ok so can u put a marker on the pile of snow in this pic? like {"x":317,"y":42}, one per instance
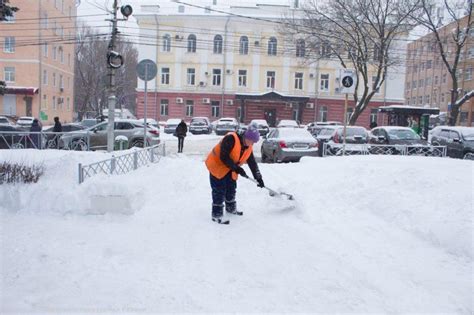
{"x":364,"y":234}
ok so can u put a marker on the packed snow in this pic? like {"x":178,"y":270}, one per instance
{"x":365,"y":234}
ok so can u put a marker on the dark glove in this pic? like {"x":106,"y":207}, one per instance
{"x":240,"y":171}
{"x":260,"y":182}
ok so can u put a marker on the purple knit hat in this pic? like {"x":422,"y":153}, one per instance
{"x":252,"y":134}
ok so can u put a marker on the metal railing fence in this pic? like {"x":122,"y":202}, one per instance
{"x":44,"y":140}
{"x":124,"y":163}
{"x":337,"y":149}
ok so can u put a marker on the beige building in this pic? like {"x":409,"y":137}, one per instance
{"x":218,"y":65}
{"x":428,"y":83}
{"x":37,"y":60}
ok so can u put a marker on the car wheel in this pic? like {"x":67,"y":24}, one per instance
{"x":17,"y":146}
{"x":79,"y":145}
{"x":468,"y":156}
{"x":137,"y":143}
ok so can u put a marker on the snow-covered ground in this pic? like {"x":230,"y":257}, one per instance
{"x":366,"y":234}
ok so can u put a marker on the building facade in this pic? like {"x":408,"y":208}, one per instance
{"x":238,"y":65}
{"x":428,"y":82}
{"x":37,"y":60}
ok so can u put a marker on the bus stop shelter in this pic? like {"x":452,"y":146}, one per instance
{"x":408,"y":116}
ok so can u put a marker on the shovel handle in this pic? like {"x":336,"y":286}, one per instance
{"x":272,"y":192}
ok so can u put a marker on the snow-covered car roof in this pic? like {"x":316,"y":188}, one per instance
{"x":294,"y":134}
{"x":288,"y":122}
{"x":173,"y":121}
{"x":259,"y":122}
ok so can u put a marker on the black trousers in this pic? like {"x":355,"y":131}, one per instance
{"x":223,"y":191}
{"x":180,"y":144}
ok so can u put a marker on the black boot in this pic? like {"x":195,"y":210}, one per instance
{"x":220,"y":220}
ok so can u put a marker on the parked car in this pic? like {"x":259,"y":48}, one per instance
{"x":316,"y":126}
{"x":16,"y":137}
{"x":5,"y":121}
{"x":262,"y":126}
{"x":243,"y":127}
{"x":354,"y":135}
{"x":393,"y":135}
{"x":171,"y":124}
{"x":459,"y":141}
{"x":323,"y":136}
{"x":150,"y":121}
{"x":25,"y":122}
{"x":288,"y":144}
{"x":200,"y":125}
{"x":287,"y":123}
{"x":52,"y":139}
{"x":225,"y":125}
{"x":95,"y":137}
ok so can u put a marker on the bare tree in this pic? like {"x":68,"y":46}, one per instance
{"x":450,"y":43}
{"x":91,"y":73}
{"x":359,"y":34}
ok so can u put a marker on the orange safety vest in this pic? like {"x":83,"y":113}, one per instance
{"x":215,"y":165}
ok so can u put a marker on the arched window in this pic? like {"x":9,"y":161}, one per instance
{"x":167,"y":42}
{"x":300,"y":48}
{"x":272,"y":46}
{"x":218,"y":44}
{"x":61,"y":54}
{"x":244,"y":45}
{"x":192,"y":43}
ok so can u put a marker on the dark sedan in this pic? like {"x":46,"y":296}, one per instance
{"x":393,"y":139}
{"x":459,"y":141}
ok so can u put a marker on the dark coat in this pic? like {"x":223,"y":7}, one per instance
{"x":35,"y":138}
{"x":57,"y":127}
{"x":181,"y":129}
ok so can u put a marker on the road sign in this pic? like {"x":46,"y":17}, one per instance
{"x":146,"y":69}
{"x":348,"y":81}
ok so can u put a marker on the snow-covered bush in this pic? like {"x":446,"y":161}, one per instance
{"x":19,"y":173}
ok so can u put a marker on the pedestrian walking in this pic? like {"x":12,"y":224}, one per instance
{"x":36,"y":138}
{"x":57,"y":125}
{"x":181,"y":131}
{"x":224,"y":163}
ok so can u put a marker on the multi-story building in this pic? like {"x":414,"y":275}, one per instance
{"x":428,"y":82}
{"x":218,"y":65}
{"x":37,"y":60}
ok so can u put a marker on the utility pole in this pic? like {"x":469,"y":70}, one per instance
{"x":111,"y":74}
{"x":114,"y":61}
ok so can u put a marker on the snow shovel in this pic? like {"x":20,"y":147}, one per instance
{"x":273,"y":192}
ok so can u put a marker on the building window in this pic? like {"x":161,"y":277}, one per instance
{"x":189,"y":108}
{"x":296,"y":4}
{"x":9,"y":74}
{"x":44,"y":103}
{"x":323,"y":113}
{"x":45,"y":77}
{"x":55,"y":53}
{"x":215,"y":108}
{"x":45,"y":49}
{"x":167,"y":43}
{"x":325,"y":50}
{"x":444,"y":78}
{"x":54,"y":79}
{"x":192,"y":43}
{"x":244,"y":45}
{"x":67,"y":103}
{"x":68,"y":59}
{"x":272,"y":46}
{"x":9,"y":46}
{"x":218,"y":44}
{"x":242,"y":77}
{"x":10,"y":19}
{"x":373,"y":115}
{"x":191,"y":76}
{"x":420,"y":100}
{"x":164,"y":107}
{"x":300,"y":48}
{"x":181,"y":9}
{"x":463,"y":117}
{"x":428,"y":64}
{"x":468,"y":74}
{"x":54,"y":103}
{"x":442,"y":98}
{"x":324,"y":82}
{"x":427,"y":99}
{"x":165,"y":75}
{"x":61,"y":83}
{"x":349,"y":112}
{"x":216,"y":77}
{"x":271,"y":79}
{"x":299,"y":80}
{"x":61,"y":54}
{"x":413,"y":84}
{"x":420,"y":83}
{"x":436,"y":81}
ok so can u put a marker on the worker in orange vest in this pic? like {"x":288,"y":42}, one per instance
{"x":224,"y":165}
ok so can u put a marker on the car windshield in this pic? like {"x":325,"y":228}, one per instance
{"x":225,"y":121}
{"x":468,"y":135}
{"x":3,"y":120}
{"x":402,"y":134}
{"x":199,"y":122}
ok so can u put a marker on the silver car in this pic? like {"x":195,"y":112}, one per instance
{"x":95,"y":137}
{"x":288,"y":144}
{"x":225,"y":125}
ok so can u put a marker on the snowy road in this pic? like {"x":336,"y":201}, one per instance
{"x":365,"y":235}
